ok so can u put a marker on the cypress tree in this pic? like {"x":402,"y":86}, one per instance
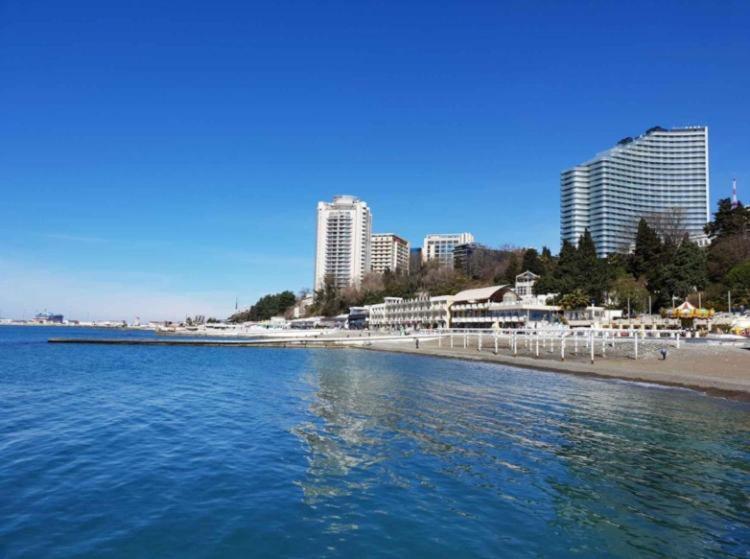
{"x":566,"y":272}
{"x":728,"y":220}
{"x":512,"y":270}
{"x":532,"y":262}
{"x":647,"y":251}
{"x":686,"y":271}
{"x":587,"y":258}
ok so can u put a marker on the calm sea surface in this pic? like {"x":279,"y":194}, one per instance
{"x":126,"y":451}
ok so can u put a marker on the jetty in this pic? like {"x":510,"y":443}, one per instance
{"x":303,"y":341}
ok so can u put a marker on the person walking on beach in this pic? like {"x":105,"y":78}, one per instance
{"x":663,"y":352}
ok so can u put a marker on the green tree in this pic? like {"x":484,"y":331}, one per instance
{"x":442,"y":280}
{"x":546,"y":284}
{"x":328,"y":300}
{"x":586,"y":250}
{"x":567,"y":270}
{"x":512,"y":270}
{"x":729,"y":221}
{"x":725,"y":253}
{"x":686,"y":271}
{"x":626,"y":290}
{"x":532,"y":262}
{"x":591,"y":273}
{"x":730,"y":245}
{"x":576,"y":299}
{"x":648,"y":250}
{"x":549,"y":262}
{"x":266,"y":307}
{"x":738,"y":280}
{"x":715,"y":296}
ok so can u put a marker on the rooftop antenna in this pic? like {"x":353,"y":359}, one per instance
{"x":735,"y":202}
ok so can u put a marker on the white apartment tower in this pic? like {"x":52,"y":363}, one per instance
{"x":440,"y":246}
{"x":389,"y":252}
{"x":342,"y":248}
{"x":660,"y":173}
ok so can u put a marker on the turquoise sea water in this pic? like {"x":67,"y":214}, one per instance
{"x":127,"y":451}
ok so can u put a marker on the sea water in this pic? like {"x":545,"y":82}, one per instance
{"x":138,"y":451}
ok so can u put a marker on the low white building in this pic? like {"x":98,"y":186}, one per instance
{"x":499,"y":306}
{"x":418,"y":312}
{"x":591,"y":317}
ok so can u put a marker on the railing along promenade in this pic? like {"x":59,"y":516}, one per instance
{"x":538,"y":342}
{"x":542,"y":342}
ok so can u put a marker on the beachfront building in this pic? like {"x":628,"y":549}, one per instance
{"x":358,"y":318}
{"x":499,"y":306}
{"x":486,"y":307}
{"x":342,"y":250}
{"x":661,"y":176}
{"x":525,"y":284}
{"x":421,"y":312}
{"x":389,"y":252}
{"x":591,"y":317}
{"x":440,"y":247}
{"x":504,"y":306}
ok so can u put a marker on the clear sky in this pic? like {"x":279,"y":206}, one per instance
{"x":162,"y":158}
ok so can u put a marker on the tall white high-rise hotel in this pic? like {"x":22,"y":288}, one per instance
{"x":662,"y":172}
{"x":342,"y":249}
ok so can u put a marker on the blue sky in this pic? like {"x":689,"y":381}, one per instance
{"x":162,"y":158}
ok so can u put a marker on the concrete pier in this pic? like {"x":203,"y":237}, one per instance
{"x":262,"y":342}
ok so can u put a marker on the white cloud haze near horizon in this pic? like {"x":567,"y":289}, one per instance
{"x":27,"y":289}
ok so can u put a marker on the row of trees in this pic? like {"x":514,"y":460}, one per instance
{"x":266,"y":307}
{"x":657,"y":270}
{"x":728,"y":258}
{"x":664,"y":264}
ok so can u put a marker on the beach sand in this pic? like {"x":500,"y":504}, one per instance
{"x":718,"y":370}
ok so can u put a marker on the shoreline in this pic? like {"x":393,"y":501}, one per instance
{"x":609,"y":369}
{"x":721,"y":371}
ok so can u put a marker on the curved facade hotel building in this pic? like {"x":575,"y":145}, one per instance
{"x":660,"y":173}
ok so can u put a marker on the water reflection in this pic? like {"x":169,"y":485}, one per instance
{"x":346,"y":407}
{"x":654,"y":476}
{"x":626,"y":469}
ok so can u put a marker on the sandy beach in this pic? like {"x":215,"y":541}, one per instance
{"x":718,"y":370}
